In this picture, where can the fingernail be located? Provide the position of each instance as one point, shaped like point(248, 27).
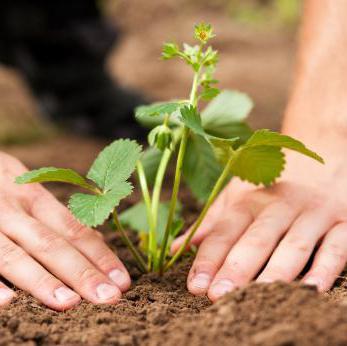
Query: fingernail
point(5, 294)
point(64, 294)
point(106, 291)
point(201, 280)
point(119, 277)
point(222, 287)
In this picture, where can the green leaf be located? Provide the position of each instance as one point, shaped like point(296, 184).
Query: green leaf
point(150, 161)
point(157, 109)
point(224, 116)
point(210, 57)
point(200, 168)
point(227, 108)
point(209, 93)
point(221, 146)
point(136, 218)
point(93, 210)
point(258, 164)
point(170, 50)
point(275, 139)
point(191, 118)
point(52, 174)
point(115, 164)
point(240, 130)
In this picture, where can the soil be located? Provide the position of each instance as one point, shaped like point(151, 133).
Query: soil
point(160, 311)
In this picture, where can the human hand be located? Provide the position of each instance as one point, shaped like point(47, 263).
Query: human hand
point(45, 251)
point(271, 233)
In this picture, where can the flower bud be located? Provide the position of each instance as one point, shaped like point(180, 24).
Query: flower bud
point(160, 137)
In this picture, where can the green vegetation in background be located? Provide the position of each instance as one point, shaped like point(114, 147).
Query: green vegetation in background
point(283, 13)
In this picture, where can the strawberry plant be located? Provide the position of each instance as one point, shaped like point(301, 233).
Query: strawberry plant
point(207, 147)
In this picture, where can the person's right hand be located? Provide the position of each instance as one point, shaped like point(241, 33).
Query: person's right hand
point(46, 252)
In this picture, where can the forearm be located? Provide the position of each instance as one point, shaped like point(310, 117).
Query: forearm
point(318, 104)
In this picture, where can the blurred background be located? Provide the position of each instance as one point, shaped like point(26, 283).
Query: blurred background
point(70, 69)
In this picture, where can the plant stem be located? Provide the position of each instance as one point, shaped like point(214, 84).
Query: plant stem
point(178, 174)
point(156, 198)
point(214, 193)
point(147, 199)
point(139, 259)
point(174, 195)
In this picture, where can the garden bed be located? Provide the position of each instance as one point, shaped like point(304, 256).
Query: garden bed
point(160, 311)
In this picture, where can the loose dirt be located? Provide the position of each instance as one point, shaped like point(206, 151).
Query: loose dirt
point(160, 311)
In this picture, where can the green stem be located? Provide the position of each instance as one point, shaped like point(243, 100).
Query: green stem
point(147, 199)
point(216, 189)
point(156, 198)
point(139, 259)
point(174, 195)
point(178, 174)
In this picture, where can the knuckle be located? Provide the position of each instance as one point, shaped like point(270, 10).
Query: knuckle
point(105, 259)
point(276, 271)
point(216, 237)
point(204, 264)
point(235, 269)
point(49, 242)
point(87, 276)
point(9, 254)
point(256, 240)
point(337, 252)
point(44, 282)
point(75, 230)
point(298, 242)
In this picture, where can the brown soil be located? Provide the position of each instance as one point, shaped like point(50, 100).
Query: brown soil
point(161, 311)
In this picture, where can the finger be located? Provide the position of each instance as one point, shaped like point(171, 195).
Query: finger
point(252, 250)
point(20, 269)
point(56, 216)
point(214, 249)
point(330, 259)
point(212, 216)
point(208, 224)
point(60, 258)
point(6, 295)
point(295, 249)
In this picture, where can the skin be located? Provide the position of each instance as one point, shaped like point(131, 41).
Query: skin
point(45, 251)
point(270, 234)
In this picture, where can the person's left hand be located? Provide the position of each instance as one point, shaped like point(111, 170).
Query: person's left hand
point(271, 233)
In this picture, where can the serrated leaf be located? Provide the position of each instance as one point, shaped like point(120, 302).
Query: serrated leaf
point(150, 161)
point(115, 164)
point(275, 139)
point(192, 119)
point(221, 146)
point(93, 210)
point(258, 164)
point(200, 168)
point(170, 50)
point(136, 218)
point(209, 93)
point(53, 174)
point(156, 109)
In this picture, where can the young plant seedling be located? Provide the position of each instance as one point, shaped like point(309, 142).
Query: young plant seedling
point(208, 147)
